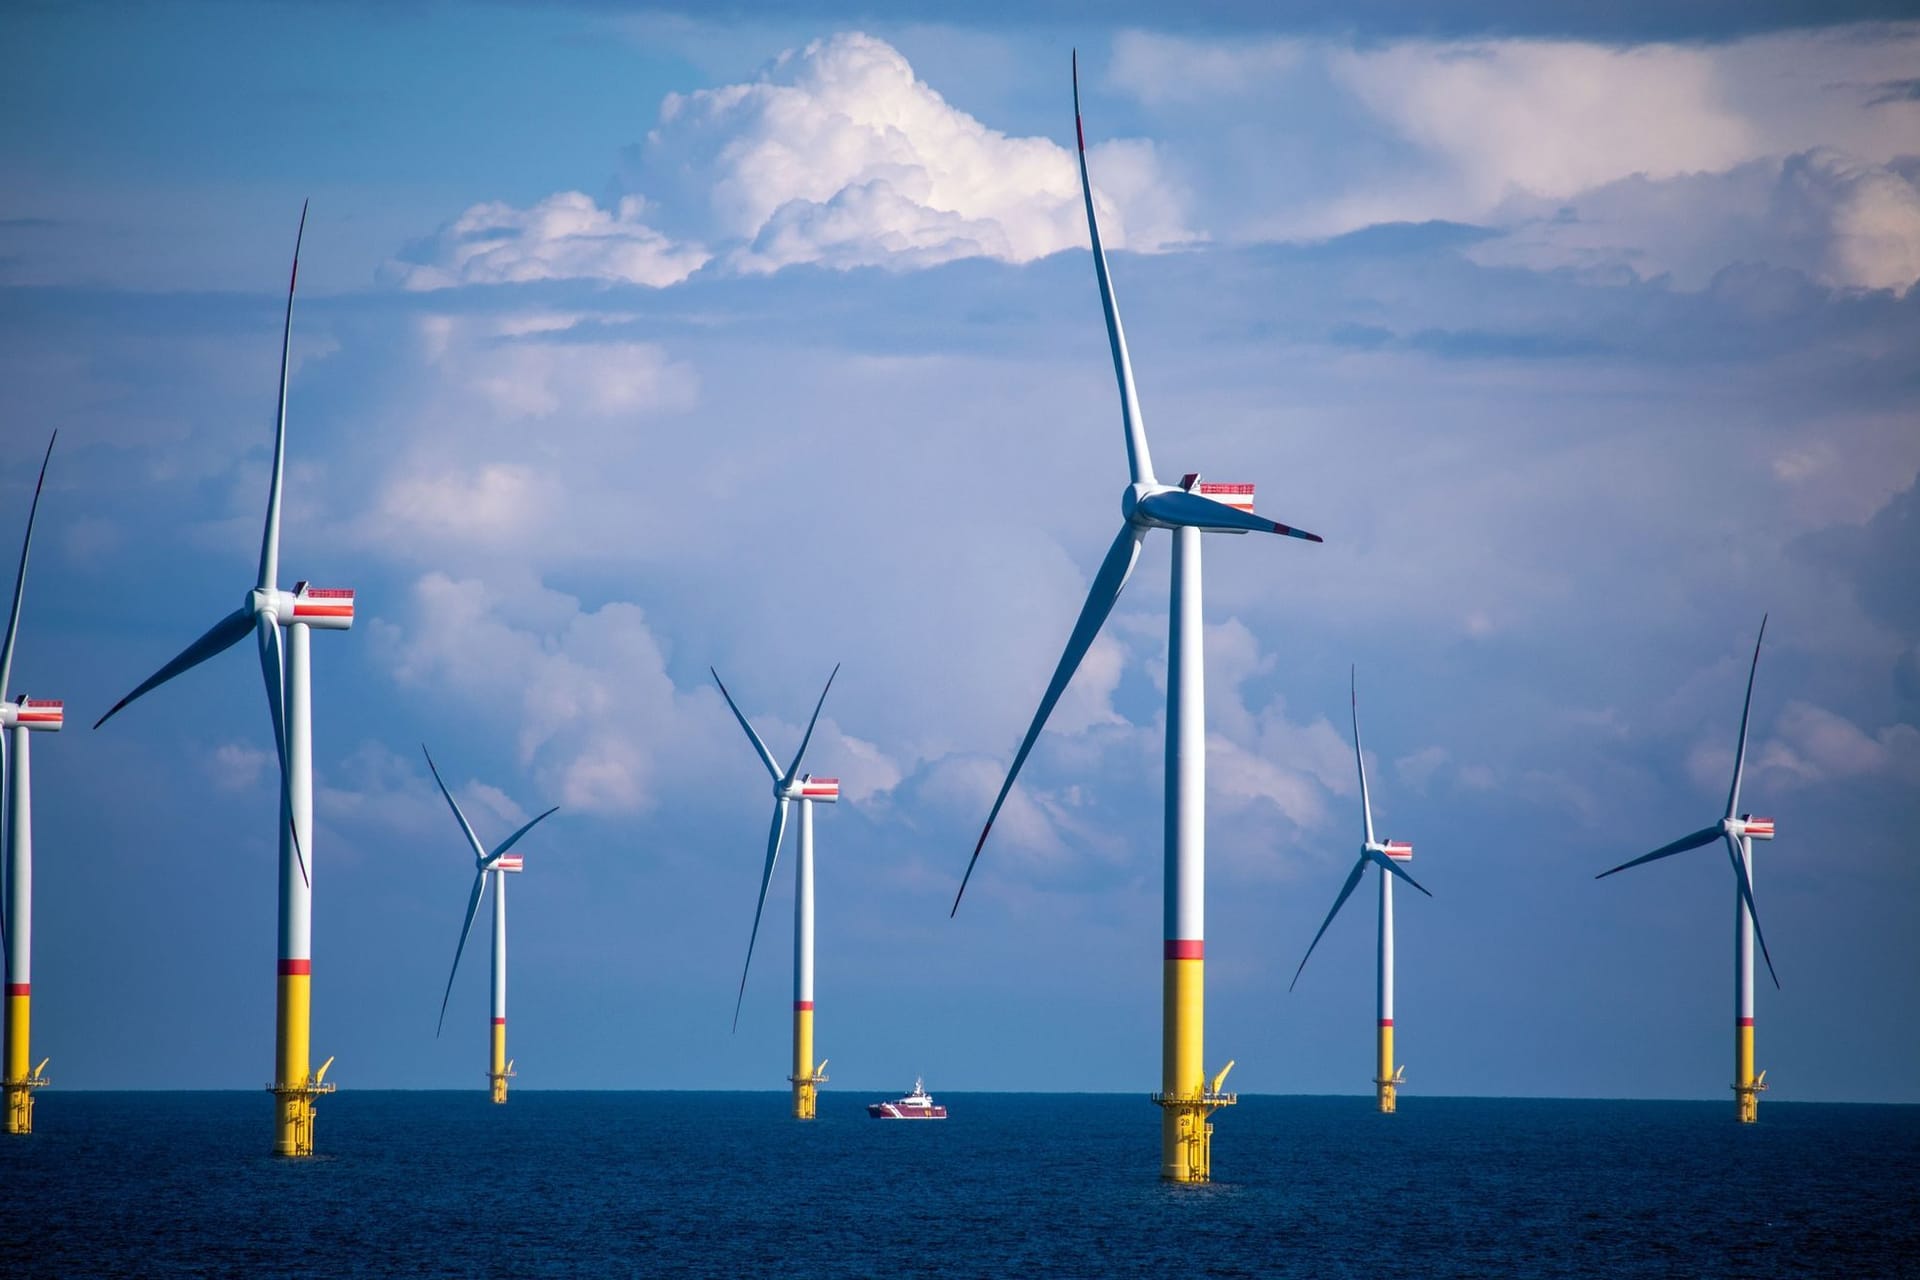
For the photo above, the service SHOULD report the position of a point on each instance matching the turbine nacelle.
(38, 714)
(510, 862)
(1748, 826)
(322, 608)
(1152, 505)
(1210, 507)
(818, 790)
(1398, 850)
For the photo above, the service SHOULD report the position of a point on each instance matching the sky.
(633, 341)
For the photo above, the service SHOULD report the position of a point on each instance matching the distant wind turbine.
(20, 717)
(791, 786)
(1387, 855)
(497, 864)
(1738, 833)
(289, 684)
(1188, 509)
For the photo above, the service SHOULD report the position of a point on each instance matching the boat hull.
(894, 1111)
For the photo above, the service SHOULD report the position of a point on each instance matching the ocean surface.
(724, 1184)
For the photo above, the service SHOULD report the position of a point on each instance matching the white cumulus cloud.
(838, 154)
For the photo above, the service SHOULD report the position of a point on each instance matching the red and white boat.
(915, 1106)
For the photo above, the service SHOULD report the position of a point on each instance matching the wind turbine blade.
(273, 671)
(766, 756)
(221, 636)
(1391, 867)
(514, 839)
(1366, 804)
(1706, 835)
(20, 578)
(1138, 461)
(1346, 891)
(1740, 757)
(1746, 895)
(1107, 583)
(793, 770)
(270, 538)
(473, 909)
(766, 877)
(479, 852)
(1181, 507)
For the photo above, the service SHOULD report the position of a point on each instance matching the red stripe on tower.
(803, 1006)
(1186, 949)
(290, 968)
(1386, 1022)
(19, 988)
(1743, 1022)
(499, 1022)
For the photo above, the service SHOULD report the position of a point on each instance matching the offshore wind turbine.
(287, 672)
(498, 864)
(1387, 855)
(1738, 833)
(1187, 1096)
(789, 787)
(19, 718)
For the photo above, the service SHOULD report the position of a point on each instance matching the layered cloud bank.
(1799, 150)
(564, 237)
(838, 154)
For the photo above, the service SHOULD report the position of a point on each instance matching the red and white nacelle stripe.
(510, 862)
(1752, 828)
(1237, 496)
(323, 608)
(824, 790)
(40, 714)
(1399, 850)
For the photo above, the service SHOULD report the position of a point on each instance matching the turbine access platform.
(1188, 1133)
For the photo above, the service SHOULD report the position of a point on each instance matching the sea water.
(725, 1184)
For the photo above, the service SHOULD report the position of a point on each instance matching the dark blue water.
(595, 1184)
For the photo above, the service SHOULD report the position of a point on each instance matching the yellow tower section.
(1187, 1098)
(499, 1070)
(1385, 1079)
(1747, 1087)
(806, 1078)
(20, 1081)
(293, 1089)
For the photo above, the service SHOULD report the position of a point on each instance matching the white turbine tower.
(1188, 509)
(1387, 855)
(289, 683)
(1738, 832)
(792, 786)
(497, 864)
(20, 717)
